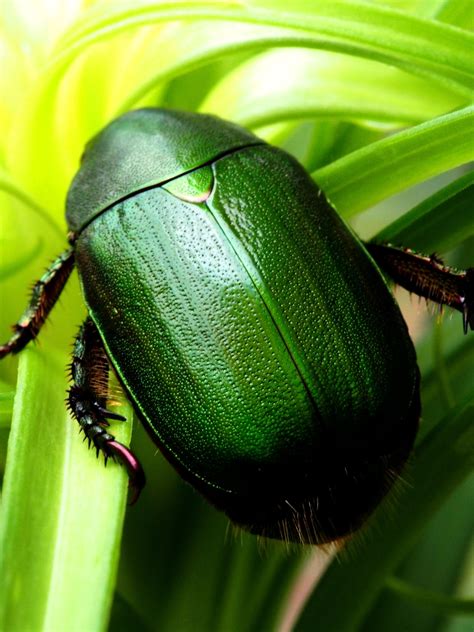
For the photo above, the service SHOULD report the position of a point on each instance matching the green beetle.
(254, 335)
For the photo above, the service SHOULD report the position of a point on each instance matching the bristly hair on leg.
(87, 401)
(429, 277)
(44, 294)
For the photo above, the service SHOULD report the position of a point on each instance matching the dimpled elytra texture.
(252, 331)
(327, 298)
(191, 338)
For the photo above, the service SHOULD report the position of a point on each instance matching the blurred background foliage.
(374, 98)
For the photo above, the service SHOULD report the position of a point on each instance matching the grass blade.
(393, 164)
(426, 224)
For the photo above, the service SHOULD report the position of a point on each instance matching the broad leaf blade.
(61, 513)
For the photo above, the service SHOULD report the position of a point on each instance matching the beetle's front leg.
(43, 297)
(87, 399)
(427, 276)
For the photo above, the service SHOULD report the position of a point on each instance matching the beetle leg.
(43, 297)
(427, 276)
(87, 399)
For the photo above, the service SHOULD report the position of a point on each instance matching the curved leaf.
(318, 84)
(393, 35)
(393, 164)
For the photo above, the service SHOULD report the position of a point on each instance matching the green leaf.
(445, 364)
(12, 266)
(426, 224)
(395, 163)
(6, 405)
(430, 595)
(9, 186)
(324, 85)
(429, 599)
(457, 12)
(61, 514)
(356, 27)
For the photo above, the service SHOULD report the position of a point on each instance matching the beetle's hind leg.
(428, 277)
(87, 400)
(44, 295)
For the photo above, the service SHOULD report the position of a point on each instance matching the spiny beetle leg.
(428, 277)
(87, 399)
(43, 297)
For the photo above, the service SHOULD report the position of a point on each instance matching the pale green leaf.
(61, 517)
(457, 12)
(395, 163)
(301, 83)
(342, 25)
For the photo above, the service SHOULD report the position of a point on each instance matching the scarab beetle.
(252, 331)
